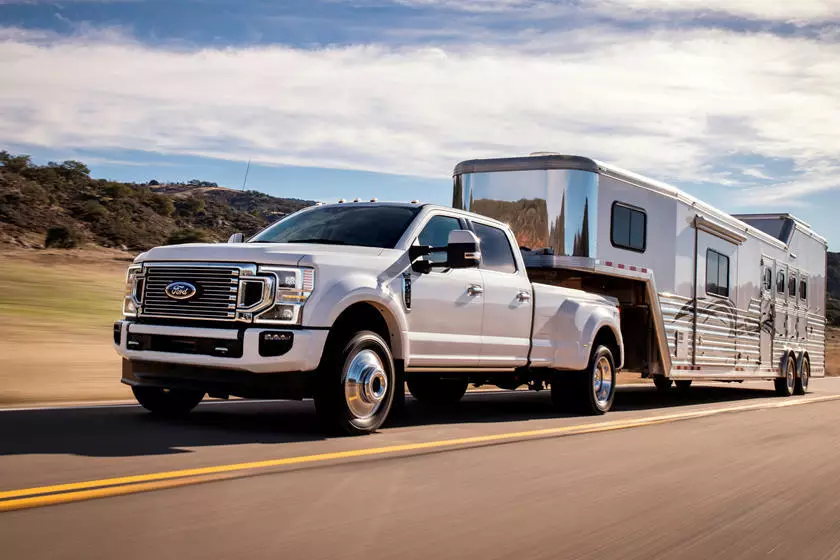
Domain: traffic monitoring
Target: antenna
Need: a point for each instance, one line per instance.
(246, 174)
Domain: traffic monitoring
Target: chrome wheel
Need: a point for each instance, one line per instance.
(365, 384)
(602, 381)
(805, 375)
(790, 375)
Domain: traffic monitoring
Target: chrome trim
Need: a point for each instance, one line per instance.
(365, 384)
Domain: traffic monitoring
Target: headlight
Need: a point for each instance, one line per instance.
(133, 290)
(294, 286)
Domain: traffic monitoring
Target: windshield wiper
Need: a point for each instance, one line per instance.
(316, 240)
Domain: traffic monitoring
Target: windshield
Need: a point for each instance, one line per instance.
(365, 226)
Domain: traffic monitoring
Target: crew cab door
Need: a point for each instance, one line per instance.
(447, 306)
(506, 330)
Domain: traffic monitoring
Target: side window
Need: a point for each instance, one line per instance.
(436, 234)
(768, 279)
(792, 285)
(628, 228)
(803, 289)
(780, 282)
(717, 273)
(496, 253)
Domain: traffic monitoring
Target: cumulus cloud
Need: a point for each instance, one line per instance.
(673, 104)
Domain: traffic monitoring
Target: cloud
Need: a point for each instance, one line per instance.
(672, 104)
(797, 11)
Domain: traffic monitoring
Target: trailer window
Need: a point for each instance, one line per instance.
(717, 273)
(628, 228)
(496, 253)
(803, 289)
(768, 279)
(780, 282)
(792, 286)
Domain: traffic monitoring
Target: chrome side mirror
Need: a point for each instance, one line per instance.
(236, 238)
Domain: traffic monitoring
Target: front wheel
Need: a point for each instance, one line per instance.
(785, 386)
(590, 391)
(167, 402)
(355, 384)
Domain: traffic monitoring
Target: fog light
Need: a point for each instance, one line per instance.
(280, 313)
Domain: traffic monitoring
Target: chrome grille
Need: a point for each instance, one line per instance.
(217, 289)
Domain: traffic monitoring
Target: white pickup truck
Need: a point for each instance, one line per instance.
(346, 302)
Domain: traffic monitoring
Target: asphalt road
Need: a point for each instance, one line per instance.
(741, 477)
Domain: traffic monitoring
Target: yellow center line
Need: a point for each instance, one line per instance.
(79, 491)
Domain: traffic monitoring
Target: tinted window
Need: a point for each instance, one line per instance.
(792, 286)
(367, 226)
(496, 253)
(803, 290)
(768, 279)
(780, 282)
(628, 228)
(436, 234)
(717, 273)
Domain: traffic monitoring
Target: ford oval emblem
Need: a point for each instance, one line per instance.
(180, 290)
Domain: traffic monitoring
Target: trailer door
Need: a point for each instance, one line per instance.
(717, 315)
(767, 323)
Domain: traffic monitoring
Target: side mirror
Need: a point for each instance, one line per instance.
(236, 238)
(463, 249)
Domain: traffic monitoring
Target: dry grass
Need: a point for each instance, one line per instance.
(56, 311)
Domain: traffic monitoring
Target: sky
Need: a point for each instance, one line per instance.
(734, 101)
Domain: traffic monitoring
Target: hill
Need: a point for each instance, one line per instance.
(79, 209)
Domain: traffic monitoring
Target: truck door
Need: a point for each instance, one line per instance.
(506, 330)
(767, 322)
(717, 316)
(447, 306)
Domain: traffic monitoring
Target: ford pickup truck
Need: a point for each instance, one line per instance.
(347, 304)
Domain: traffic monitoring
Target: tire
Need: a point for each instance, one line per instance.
(167, 402)
(786, 385)
(662, 383)
(683, 384)
(435, 391)
(356, 384)
(803, 376)
(591, 391)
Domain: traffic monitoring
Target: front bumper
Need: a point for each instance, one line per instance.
(176, 345)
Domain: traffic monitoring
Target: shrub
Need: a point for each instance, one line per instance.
(162, 204)
(187, 235)
(92, 211)
(61, 237)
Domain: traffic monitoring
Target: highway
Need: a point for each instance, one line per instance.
(721, 471)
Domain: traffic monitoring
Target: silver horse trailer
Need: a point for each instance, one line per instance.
(704, 294)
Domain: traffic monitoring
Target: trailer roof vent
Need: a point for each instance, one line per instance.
(341, 201)
(357, 199)
(415, 201)
(374, 199)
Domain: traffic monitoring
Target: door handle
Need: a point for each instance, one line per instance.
(523, 296)
(475, 290)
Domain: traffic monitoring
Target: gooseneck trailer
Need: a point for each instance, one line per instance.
(703, 294)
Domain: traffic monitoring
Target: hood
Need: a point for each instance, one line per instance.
(285, 254)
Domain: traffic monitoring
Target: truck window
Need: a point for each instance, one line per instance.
(628, 228)
(496, 253)
(717, 273)
(436, 234)
(347, 224)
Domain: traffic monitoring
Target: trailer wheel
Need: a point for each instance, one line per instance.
(167, 402)
(590, 391)
(803, 376)
(683, 384)
(355, 385)
(786, 385)
(435, 391)
(662, 383)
